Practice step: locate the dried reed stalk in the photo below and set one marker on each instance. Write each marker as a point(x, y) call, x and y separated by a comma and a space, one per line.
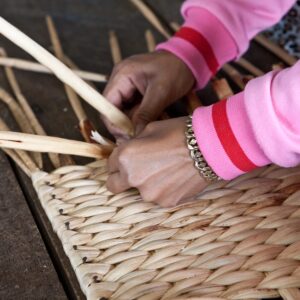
point(72, 96)
point(31, 118)
point(115, 49)
point(27, 65)
point(69, 62)
point(234, 75)
point(35, 124)
point(222, 88)
point(193, 102)
point(278, 66)
point(150, 40)
point(86, 126)
point(20, 163)
point(67, 76)
point(29, 142)
point(22, 159)
point(249, 67)
point(84, 123)
point(175, 26)
point(20, 118)
point(275, 49)
point(16, 111)
point(151, 17)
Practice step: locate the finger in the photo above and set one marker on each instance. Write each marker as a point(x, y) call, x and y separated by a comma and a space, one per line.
point(117, 91)
point(187, 200)
point(120, 88)
point(113, 162)
point(118, 133)
point(152, 105)
point(120, 136)
point(116, 183)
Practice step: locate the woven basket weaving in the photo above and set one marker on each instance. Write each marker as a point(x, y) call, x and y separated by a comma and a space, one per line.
point(238, 240)
point(241, 240)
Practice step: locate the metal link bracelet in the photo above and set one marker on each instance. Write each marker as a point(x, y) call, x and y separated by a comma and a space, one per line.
point(199, 161)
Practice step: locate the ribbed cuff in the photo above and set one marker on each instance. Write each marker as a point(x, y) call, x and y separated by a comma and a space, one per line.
point(226, 139)
point(203, 43)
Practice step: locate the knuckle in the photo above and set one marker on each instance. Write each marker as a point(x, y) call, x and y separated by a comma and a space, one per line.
point(144, 115)
point(124, 155)
point(170, 201)
point(110, 184)
point(125, 66)
point(119, 66)
point(144, 195)
point(162, 89)
point(165, 204)
point(147, 195)
point(110, 161)
point(151, 126)
point(132, 180)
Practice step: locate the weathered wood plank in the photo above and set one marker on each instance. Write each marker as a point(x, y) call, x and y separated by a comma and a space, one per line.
point(26, 269)
point(54, 246)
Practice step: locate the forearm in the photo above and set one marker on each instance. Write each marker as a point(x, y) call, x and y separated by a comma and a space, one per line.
point(253, 128)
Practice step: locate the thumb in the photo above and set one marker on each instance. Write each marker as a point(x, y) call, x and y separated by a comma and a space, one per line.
point(152, 105)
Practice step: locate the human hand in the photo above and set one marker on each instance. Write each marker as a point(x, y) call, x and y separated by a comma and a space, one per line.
point(160, 77)
point(157, 163)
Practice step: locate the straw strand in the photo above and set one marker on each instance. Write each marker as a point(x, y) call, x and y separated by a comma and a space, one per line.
point(67, 76)
point(20, 118)
point(72, 96)
point(29, 142)
point(151, 17)
point(27, 65)
point(35, 124)
point(22, 159)
point(281, 53)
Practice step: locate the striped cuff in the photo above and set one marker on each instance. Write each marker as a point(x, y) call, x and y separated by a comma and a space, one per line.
point(226, 139)
point(203, 43)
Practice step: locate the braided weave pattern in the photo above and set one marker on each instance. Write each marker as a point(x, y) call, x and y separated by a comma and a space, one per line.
point(240, 240)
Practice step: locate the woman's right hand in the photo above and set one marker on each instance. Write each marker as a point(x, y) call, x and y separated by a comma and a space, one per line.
point(160, 77)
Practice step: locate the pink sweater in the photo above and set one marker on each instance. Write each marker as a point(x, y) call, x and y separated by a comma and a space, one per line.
point(253, 128)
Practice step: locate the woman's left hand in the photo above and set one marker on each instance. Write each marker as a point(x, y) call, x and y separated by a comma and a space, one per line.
point(157, 163)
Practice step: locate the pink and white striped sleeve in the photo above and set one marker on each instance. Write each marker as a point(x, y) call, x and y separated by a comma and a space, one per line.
point(217, 31)
point(253, 128)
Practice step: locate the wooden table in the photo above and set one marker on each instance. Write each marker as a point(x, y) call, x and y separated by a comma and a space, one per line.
point(33, 264)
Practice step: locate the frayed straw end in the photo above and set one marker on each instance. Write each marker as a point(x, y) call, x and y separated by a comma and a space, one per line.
point(29, 142)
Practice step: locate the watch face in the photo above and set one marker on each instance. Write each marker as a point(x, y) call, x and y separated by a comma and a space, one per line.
point(286, 32)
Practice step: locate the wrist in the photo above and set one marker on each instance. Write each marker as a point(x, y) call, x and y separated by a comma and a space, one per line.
point(181, 69)
point(177, 72)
